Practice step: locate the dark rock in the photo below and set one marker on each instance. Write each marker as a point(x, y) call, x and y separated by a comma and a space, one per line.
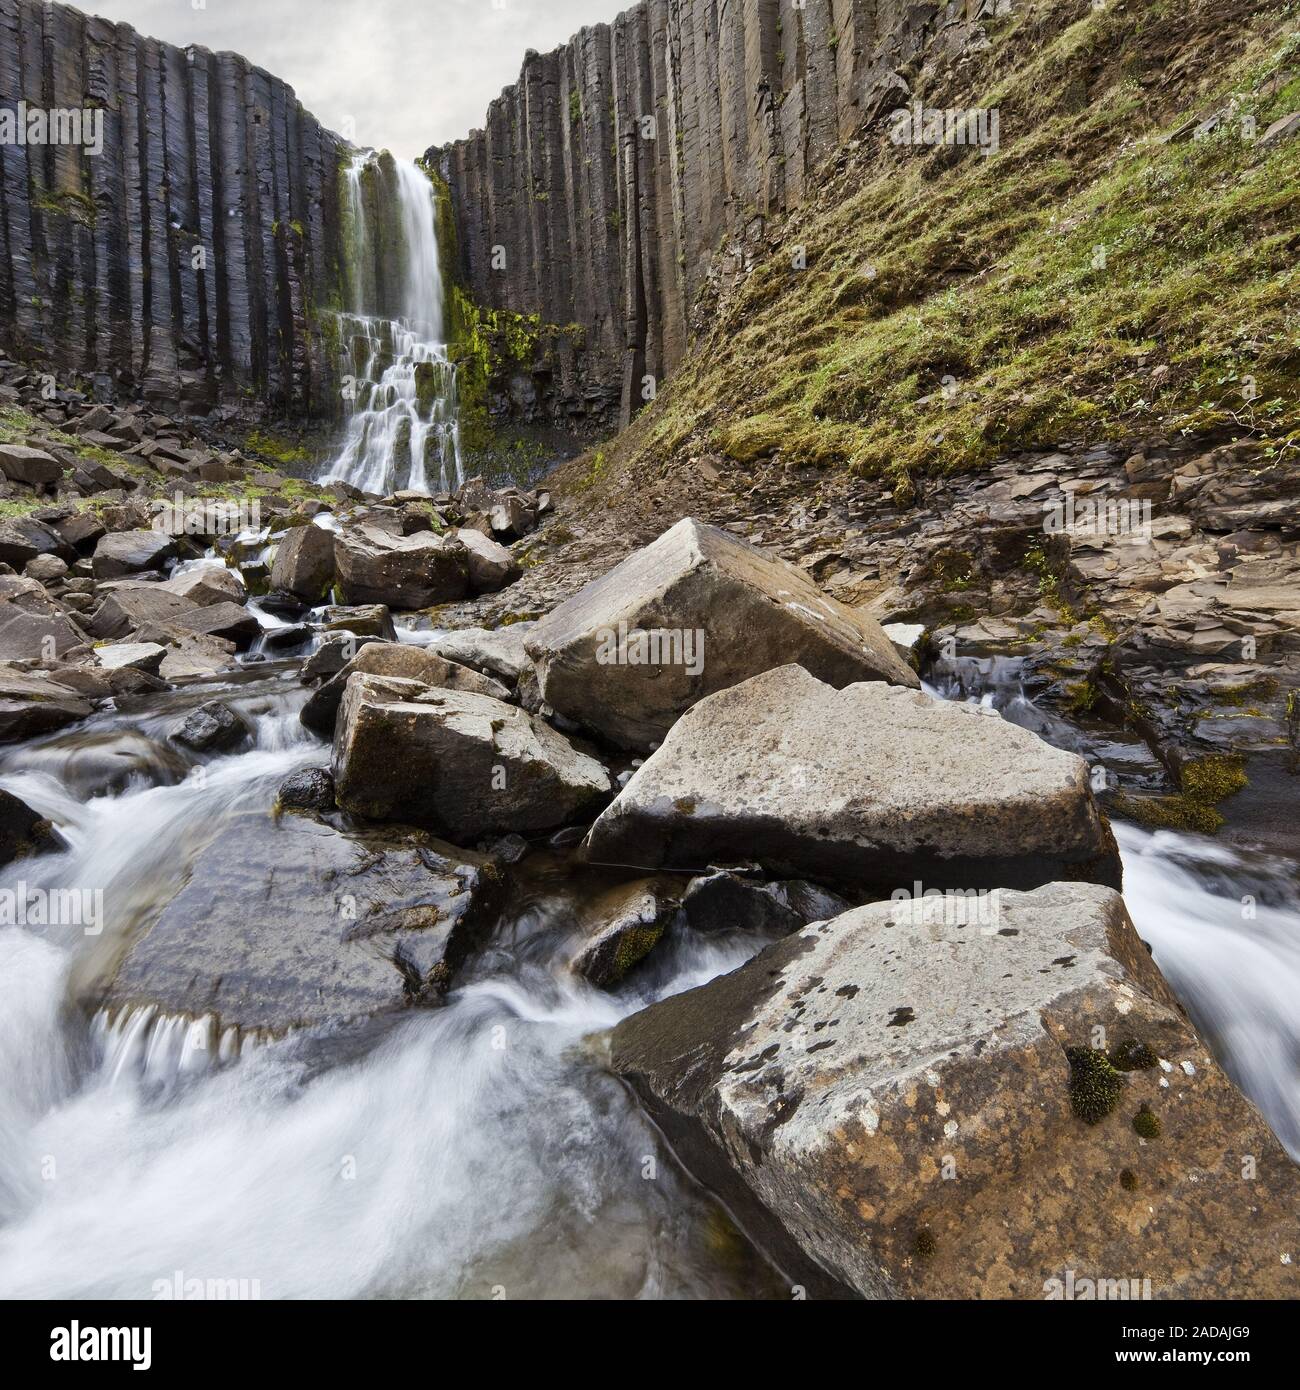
point(311, 789)
point(212, 728)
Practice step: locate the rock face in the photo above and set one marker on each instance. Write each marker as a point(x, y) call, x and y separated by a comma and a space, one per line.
point(461, 764)
point(692, 614)
point(287, 922)
point(200, 151)
point(623, 173)
point(873, 785)
point(922, 1108)
point(409, 572)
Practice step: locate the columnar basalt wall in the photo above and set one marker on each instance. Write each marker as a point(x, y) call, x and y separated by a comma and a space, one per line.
point(185, 261)
point(623, 170)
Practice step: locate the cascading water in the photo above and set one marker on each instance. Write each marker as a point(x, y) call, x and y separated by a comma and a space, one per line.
point(403, 430)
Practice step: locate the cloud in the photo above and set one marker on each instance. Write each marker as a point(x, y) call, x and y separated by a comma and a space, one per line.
point(409, 73)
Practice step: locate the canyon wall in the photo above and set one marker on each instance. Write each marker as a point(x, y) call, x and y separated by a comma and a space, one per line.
point(187, 259)
point(624, 171)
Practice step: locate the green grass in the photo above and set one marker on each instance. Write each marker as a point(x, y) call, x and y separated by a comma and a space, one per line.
point(944, 269)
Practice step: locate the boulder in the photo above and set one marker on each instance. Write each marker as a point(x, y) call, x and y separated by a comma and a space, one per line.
point(34, 467)
point(207, 585)
point(131, 606)
point(404, 572)
point(231, 621)
point(23, 538)
point(620, 927)
point(491, 566)
point(285, 922)
point(309, 789)
point(725, 901)
point(138, 656)
point(873, 785)
point(499, 651)
point(366, 620)
point(35, 704)
point(304, 564)
point(32, 625)
point(212, 728)
point(23, 832)
point(129, 552)
point(48, 569)
point(394, 659)
point(462, 764)
point(939, 1103)
point(694, 613)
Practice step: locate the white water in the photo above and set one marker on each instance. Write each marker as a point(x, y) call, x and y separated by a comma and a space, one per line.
point(392, 441)
point(461, 1151)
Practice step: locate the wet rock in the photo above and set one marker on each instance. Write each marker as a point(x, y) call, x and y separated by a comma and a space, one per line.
point(22, 539)
point(34, 467)
point(872, 785)
point(620, 928)
point(725, 901)
point(462, 764)
point(304, 564)
point(310, 789)
point(230, 621)
point(207, 585)
point(285, 922)
point(35, 704)
point(364, 620)
point(23, 832)
point(822, 1089)
point(394, 659)
point(128, 552)
point(690, 615)
point(404, 572)
point(491, 566)
point(212, 728)
point(139, 656)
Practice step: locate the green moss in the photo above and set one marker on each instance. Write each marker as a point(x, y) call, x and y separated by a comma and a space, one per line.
point(79, 207)
point(634, 946)
point(1131, 1055)
point(278, 448)
point(1203, 784)
point(1095, 1085)
point(1147, 1123)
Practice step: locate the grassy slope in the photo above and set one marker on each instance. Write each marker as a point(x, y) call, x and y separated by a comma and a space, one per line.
point(932, 264)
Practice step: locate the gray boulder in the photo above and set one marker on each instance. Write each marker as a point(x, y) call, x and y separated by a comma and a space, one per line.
point(304, 564)
point(285, 922)
point(404, 572)
point(129, 552)
point(930, 1103)
point(34, 467)
point(694, 613)
point(394, 659)
point(491, 566)
point(499, 651)
point(724, 901)
point(32, 624)
point(212, 728)
point(35, 704)
point(462, 764)
point(23, 538)
point(873, 785)
point(620, 927)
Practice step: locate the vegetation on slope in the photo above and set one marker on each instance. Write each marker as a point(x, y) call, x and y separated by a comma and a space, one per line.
point(1105, 275)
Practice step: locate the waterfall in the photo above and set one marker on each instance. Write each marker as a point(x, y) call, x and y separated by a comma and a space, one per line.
point(403, 428)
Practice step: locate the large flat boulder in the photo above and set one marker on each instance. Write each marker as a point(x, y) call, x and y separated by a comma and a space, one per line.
point(393, 659)
point(32, 624)
point(873, 785)
point(930, 1103)
point(130, 606)
point(286, 922)
point(462, 764)
point(404, 572)
point(23, 538)
point(129, 552)
point(207, 585)
point(33, 704)
point(694, 613)
point(304, 564)
point(34, 467)
point(491, 566)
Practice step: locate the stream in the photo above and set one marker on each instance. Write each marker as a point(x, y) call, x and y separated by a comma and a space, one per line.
point(477, 1150)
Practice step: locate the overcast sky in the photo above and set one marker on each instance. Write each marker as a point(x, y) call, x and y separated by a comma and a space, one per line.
point(409, 73)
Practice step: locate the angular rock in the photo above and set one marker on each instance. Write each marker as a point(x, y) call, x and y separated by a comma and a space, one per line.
point(367, 620)
point(32, 625)
point(825, 1089)
point(491, 566)
point(621, 927)
point(873, 785)
point(31, 705)
point(694, 613)
point(304, 564)
point(404, 572)
point(285, 922)
point(207, 585)
point(23, 832)
point(138, 656)
point(135, 605)
point(724, 901)
point(231, 621)
point(310, 789)
point(129, 552)
point(461, 764)
point(34, 467)
point(500, 651)
point(22, 539)
point(212, 728)
point(394, 659)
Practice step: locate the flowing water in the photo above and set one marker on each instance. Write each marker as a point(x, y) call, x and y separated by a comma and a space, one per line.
point(403, 430)
point(475, 1150)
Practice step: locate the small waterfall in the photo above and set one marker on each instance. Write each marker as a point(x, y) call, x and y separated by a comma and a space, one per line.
point(403, 429)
